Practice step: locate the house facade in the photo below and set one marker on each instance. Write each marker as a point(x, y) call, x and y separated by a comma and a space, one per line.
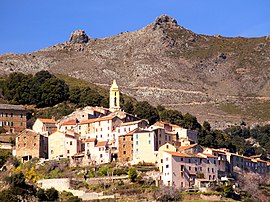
point(30, 144)
point(45, 126)
point(63, 144)
point(12, 118)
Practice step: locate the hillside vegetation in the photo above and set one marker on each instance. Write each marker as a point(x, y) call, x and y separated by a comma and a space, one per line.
point(75, 93)
point(166, 64)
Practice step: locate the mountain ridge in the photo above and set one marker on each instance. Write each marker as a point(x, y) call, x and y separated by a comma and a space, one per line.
point(165, 64)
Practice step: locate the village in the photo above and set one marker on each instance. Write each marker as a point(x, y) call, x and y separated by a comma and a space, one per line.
point(94, 135)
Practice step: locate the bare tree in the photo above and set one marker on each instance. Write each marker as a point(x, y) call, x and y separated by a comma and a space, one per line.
point(250, 182)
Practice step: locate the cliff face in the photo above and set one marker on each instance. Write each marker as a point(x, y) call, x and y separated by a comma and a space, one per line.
point(213, 77)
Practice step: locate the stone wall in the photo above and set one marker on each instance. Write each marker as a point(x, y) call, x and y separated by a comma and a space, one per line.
point(59, 184)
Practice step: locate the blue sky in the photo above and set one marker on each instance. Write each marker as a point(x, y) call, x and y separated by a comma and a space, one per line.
point(27, 26)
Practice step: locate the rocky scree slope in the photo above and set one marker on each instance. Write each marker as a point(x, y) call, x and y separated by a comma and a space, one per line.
point(165, 64)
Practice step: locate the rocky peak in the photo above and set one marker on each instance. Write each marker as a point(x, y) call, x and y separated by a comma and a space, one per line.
point(165, 21)
point(78, 36)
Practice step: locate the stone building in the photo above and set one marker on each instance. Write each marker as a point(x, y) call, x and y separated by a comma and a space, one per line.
point(30, 144)
point(12, 118)
point(125, 149)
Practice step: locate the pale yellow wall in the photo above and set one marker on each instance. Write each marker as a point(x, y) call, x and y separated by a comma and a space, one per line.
point(59, 143)
point(114, 96)
point(38, 126)
point(143, 150)
point(165, 147)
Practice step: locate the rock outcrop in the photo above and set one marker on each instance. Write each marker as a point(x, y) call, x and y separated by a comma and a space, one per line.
point(79, 36)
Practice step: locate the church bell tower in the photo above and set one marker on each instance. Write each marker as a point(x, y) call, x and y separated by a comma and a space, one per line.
point(114, 97)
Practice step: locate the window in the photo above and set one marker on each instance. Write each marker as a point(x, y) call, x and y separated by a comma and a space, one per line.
point(189, 168)
point(11, 115)
point(167, 166)
point(137, 149)
point(167, 159)
point(99, 149)
point(80, 127)
point(215, 162)
point(101, 155)
point(6, 114)
point(124, 138)
point(68, 151)
point(124, 152)
point(100, 129)
point(181, 159)
point(161, 161)
point(213, 170)
point(149, 142)
point(124, 145)
point(35, 144)
point(51, 151)
point(182, 167)
point(136, 136)
point(167, 146)
point(131, 138)
point(11, 123)
point(21, 115)
point(137, 142)
point(98, 123)
point(70, 142)
point(208, 170)
point(125, 130)
point(189, 160)
point(169, 138)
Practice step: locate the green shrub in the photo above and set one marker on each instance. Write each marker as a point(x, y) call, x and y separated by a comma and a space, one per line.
point(132, 174)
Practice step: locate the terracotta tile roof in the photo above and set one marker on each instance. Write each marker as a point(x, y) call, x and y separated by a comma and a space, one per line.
point(208, 155)
point(12, 107)
point(105, 118)
point(47, 120)
point(187, 147)
point(130, 133)
point(162, 123)
point(101, 144)
point(70, 122)
point(130, 123)
point(177, 154)
point(90, 140)
point(81, 154)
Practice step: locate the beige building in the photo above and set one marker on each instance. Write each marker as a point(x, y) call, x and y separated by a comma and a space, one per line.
point(30, 144)
point(69, 125)
point(44, 126)
point(12, 118)
point(63, 144)
point(178, 132)
point(180, 170)
point(101, 128)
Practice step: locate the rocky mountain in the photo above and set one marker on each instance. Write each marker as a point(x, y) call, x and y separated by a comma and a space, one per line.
point(219, 79)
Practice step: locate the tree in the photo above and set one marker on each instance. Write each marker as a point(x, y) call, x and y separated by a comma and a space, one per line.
point(165, 193)
point(132, 174)
point(190, 122)
point(128, 107)
point(146, 111)
point(52, 194)
point(171, 116)
point(206, 126)
point(53, 91)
